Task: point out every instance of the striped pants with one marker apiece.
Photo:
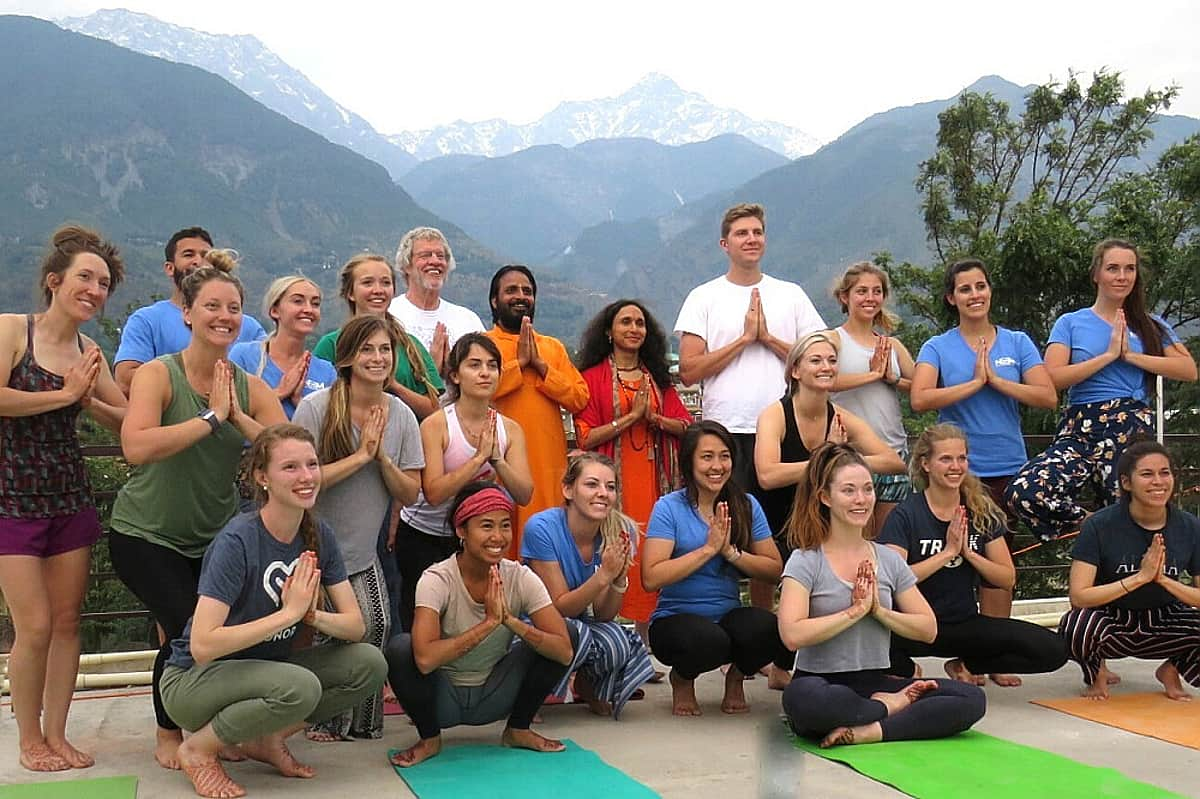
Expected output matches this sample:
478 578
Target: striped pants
1097 634
614 657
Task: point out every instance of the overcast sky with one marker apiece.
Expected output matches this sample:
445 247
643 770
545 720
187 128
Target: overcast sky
413 65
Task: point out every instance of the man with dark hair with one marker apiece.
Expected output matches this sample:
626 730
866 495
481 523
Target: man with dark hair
158 329
734 334
537 380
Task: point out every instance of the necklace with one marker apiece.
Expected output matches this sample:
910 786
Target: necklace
629 393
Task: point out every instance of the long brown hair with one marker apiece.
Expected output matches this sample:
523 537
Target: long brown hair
69 241
1134 306
808 523
337 432
986 515
260 457
740 520
403 342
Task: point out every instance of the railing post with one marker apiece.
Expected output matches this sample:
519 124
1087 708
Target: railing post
1158 407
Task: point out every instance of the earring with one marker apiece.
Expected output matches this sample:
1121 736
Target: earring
265 487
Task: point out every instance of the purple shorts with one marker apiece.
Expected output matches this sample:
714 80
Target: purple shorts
45 538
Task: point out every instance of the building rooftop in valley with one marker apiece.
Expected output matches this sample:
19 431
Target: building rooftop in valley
725 757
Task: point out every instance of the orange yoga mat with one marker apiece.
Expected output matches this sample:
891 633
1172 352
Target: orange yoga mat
1152 715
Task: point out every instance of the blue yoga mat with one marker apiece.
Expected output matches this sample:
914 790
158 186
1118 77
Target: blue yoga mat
499 772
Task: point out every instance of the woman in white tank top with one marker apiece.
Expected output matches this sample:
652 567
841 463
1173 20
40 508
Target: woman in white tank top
464 441
872 371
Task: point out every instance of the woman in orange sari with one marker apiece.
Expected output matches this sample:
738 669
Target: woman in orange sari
635 417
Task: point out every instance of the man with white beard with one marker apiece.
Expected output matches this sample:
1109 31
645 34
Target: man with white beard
425 260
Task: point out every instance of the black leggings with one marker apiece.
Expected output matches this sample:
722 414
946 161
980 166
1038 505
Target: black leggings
518 685
165 582
692 645
817 704
986 646
415 552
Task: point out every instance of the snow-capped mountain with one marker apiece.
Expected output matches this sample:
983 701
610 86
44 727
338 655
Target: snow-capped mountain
654 108
246 63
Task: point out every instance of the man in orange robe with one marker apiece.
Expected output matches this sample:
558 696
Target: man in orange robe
537 378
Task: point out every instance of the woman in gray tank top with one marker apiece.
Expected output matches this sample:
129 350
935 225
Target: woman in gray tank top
873 368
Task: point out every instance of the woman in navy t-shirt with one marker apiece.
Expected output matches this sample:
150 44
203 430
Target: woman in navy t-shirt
1125 572
701 540
1105 356
952 535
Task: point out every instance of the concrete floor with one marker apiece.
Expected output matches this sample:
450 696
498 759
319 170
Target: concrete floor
725 757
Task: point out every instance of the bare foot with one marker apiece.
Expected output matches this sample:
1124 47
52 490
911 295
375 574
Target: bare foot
421 750
683 696
1098 690
40 757
734 700
918 672
322 736
896 701
166 746
274 752
657 678
586 691
1006 680
528 739
846 736
69 753
1110 677
231 754
1168 675
208 775
957 671
388 694
778 678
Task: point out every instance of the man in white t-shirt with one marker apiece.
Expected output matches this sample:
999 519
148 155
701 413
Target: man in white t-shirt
426 262
735 332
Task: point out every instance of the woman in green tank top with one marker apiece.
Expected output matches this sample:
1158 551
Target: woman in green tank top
189 416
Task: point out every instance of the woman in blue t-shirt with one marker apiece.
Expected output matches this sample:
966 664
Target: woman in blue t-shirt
281 360
977 376
235 677
701 540
582 552
1125 569
844 597
1106 356
952 535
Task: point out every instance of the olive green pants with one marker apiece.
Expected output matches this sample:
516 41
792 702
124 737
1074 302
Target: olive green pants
247 699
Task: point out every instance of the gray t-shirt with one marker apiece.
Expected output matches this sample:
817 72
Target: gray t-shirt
866 644
245 568
441 589
356 507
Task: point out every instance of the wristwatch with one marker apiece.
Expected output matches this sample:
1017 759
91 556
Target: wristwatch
210 416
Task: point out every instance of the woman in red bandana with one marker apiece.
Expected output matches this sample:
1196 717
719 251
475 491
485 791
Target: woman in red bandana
459 665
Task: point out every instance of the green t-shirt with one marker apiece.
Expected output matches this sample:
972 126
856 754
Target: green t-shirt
404 373
183 501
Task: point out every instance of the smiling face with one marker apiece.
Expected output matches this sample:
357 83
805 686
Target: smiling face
299 309
1151 483
947 463
712 463
486 537
628 329
850 496
82 289
817 366
478 374
292 476
372 289
374 359
429 265
972 295
514 300
593 493
865 298
189 254
215 316
1116 274
746 242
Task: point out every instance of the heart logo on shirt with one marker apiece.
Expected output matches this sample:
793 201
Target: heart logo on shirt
274 576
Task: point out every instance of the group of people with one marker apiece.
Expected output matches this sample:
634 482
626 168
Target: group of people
399 504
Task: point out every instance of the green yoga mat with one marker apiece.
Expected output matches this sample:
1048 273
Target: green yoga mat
982 767
498 772
99 788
